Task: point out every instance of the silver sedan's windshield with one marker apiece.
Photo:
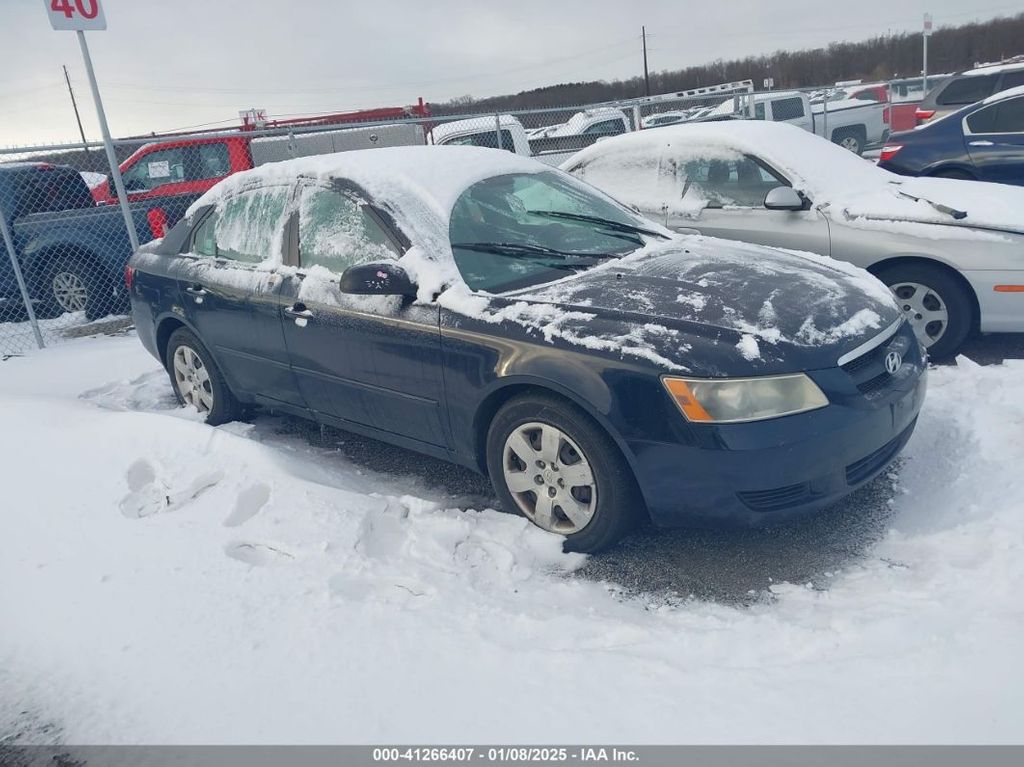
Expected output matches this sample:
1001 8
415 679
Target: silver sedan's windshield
522 229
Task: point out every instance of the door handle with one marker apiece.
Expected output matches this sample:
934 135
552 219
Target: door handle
198 292
982 143
300 314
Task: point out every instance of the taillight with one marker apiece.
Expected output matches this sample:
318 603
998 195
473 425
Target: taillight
889 151
157 222
129 277
923 115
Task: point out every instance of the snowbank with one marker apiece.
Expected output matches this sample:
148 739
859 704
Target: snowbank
165 582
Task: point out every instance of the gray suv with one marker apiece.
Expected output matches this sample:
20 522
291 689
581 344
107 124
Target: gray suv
969 87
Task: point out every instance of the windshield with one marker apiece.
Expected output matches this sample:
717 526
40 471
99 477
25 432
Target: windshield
523 229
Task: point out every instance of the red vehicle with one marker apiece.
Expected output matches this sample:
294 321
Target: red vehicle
190 164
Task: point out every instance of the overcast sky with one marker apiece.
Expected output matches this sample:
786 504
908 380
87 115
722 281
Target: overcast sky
201 61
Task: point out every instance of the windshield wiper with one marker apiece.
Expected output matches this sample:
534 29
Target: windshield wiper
524 250
957 214
607 223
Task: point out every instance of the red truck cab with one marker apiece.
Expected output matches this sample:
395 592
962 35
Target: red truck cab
188 165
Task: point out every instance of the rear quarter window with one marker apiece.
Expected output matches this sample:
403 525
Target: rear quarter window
967 90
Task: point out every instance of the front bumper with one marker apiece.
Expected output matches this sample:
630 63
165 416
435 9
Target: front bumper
751 474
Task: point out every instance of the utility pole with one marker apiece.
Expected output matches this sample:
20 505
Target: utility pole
74 105
647 76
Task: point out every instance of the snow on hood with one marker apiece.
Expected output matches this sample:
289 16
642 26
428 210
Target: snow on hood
778 310
831 176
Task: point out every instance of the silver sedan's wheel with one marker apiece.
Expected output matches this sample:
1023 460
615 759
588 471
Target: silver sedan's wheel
925 310
549 478
69 291
192 379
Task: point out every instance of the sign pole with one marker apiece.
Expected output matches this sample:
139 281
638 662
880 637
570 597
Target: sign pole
925 36
108 144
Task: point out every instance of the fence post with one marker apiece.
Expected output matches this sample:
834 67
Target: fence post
636 117
497 131
9 243
824 118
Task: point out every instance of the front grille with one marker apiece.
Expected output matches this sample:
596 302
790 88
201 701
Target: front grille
777 498
868 371
872 463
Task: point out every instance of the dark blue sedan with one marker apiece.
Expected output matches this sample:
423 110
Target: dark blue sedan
982 142
486 309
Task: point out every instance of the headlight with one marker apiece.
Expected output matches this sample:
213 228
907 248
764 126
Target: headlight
730 400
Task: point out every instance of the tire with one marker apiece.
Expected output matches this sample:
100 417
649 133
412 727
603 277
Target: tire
919 285
76 285
849 138
603 510
197 381
956 173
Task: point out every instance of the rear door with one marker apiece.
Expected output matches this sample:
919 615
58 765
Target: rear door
372 361
723 196
994 136
230 287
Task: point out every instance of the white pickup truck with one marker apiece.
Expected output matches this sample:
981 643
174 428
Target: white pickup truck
851 123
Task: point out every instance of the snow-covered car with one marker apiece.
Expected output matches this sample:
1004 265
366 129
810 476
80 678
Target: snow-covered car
952 251
486 309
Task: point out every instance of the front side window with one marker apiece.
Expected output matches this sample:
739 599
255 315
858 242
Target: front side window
165 166
248 227
485 139
337 231
740 182
967 90
524 229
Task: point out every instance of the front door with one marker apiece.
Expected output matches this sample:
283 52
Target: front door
372 361
231 292
724 197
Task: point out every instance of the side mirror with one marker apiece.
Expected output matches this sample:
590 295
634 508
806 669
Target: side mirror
377 279
783 198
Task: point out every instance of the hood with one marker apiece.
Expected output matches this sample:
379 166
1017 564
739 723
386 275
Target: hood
998 207
716 307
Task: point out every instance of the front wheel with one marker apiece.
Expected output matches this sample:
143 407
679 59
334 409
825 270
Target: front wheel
935 303
551 463
197 381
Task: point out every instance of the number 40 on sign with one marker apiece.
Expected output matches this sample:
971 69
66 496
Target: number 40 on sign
76 14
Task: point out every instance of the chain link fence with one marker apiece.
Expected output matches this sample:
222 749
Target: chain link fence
66 242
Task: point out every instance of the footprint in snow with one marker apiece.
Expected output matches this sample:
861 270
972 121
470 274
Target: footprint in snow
149 494
248 504
257 554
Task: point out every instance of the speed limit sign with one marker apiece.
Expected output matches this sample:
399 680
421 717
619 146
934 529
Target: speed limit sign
76 14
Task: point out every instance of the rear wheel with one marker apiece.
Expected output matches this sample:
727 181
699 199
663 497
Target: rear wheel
76 285
851 139
197 381
935 303
551 463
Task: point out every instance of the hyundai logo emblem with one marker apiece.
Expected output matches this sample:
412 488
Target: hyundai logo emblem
893 360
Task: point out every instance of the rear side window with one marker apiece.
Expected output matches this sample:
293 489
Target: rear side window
337 231
788 109
967 90
606 127
1012 79
248 227
1004 117
46 190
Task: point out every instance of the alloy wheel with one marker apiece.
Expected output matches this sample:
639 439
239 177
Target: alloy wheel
851 143
549 478
192 379
925 310
70 291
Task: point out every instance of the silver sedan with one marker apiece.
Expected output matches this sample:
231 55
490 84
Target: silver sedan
952 251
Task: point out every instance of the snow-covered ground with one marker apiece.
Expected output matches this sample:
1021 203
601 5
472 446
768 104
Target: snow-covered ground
166 582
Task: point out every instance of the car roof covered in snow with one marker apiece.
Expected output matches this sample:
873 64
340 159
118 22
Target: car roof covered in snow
827 173
436 175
